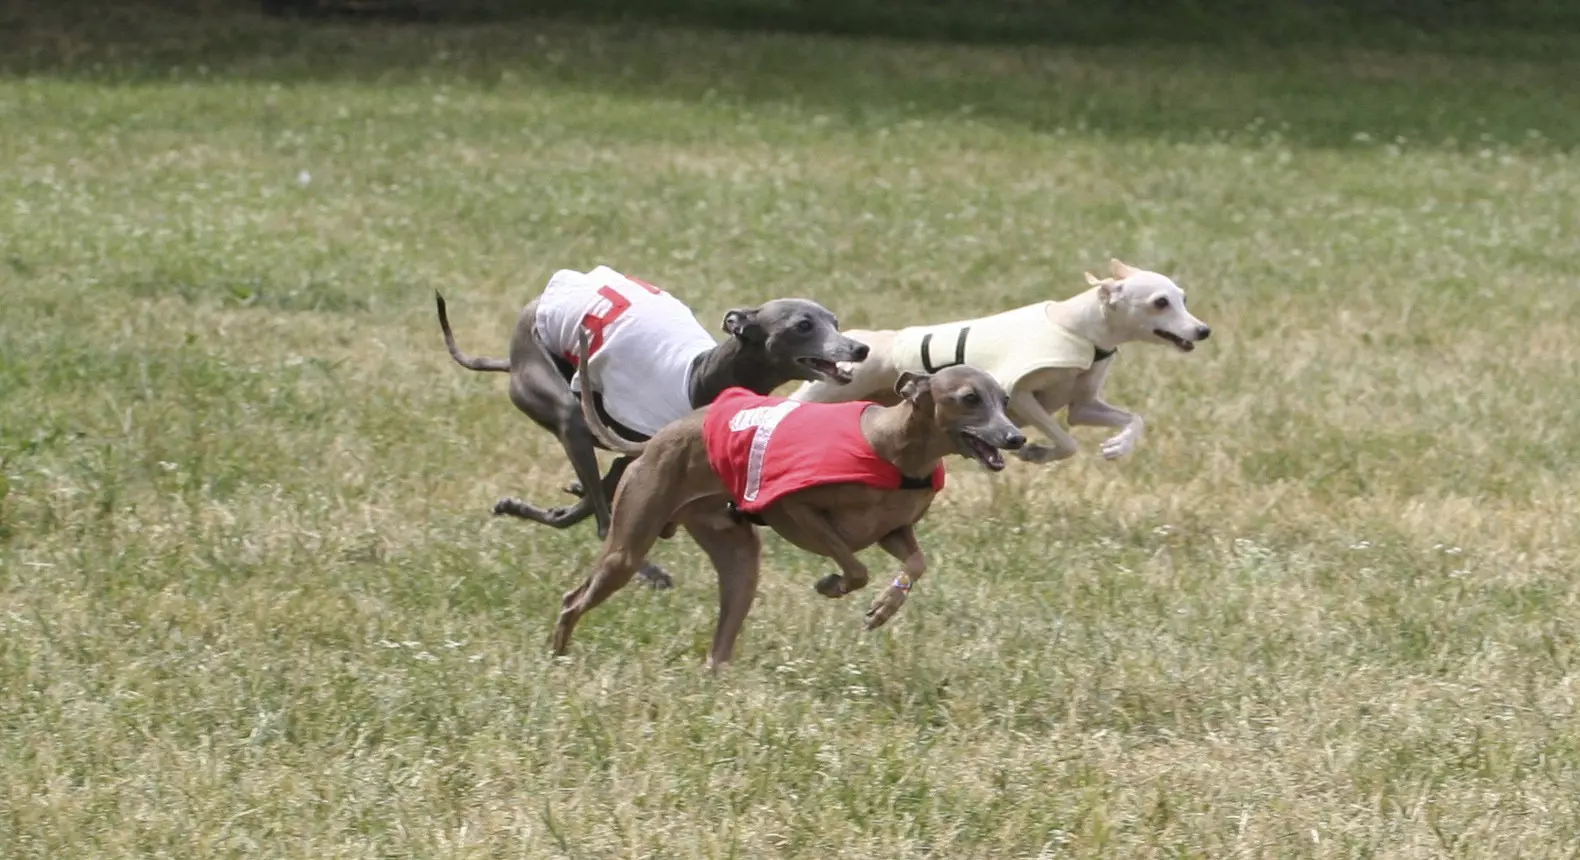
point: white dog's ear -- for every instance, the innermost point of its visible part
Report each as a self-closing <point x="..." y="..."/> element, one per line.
<point x="915" y="387"/>
<point x="1121" y="271"/>
<point x="1108" y="289"/>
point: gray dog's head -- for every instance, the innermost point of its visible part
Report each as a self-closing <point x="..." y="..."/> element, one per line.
<point x="968" y="405"/>
<point x="799" y="338"/>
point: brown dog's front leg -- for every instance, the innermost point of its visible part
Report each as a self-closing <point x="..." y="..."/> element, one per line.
<point x="811" y="530"/>
<point x="900" y="543"/>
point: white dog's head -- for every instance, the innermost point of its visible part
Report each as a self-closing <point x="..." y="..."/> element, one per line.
<point x="1143" y="305"/>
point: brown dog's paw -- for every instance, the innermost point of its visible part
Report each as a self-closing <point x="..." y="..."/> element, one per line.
<point x="888" y="602"/>
<point x="832" y="585"/>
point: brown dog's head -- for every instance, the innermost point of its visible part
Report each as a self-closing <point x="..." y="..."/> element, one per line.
<point x="968" y="405"/>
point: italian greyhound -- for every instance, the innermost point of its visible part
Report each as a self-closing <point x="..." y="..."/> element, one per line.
<point x="661" y="363"/>
<point x="831" y="479"/>
<point x="1050" y="356"/>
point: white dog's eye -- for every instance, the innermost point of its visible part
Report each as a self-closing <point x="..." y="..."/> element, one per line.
<point x="1161" y="303"/>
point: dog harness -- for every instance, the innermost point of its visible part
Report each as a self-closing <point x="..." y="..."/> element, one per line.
<point x="766" y="447"/>
<point x="644" y="343"/>
<point x="1007" y="346"/>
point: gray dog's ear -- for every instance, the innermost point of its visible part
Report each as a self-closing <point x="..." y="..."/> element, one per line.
<point x="916" y="388"/>
<point x="742" y="323"/>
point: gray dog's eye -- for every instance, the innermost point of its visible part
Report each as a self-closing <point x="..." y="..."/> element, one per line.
<point x="803" y="326"/>
<point x="1161" y="303"/>
<point x="972" y="399"/>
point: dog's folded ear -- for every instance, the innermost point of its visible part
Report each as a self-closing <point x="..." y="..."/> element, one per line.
<point x="916" y="388"/>
<point x="1108" y="289"/>
<point x="1121" y="270"/>
<point x="742" y="323"/>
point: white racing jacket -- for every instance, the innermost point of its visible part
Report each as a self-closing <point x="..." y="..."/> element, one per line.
<point x="644" y="341"/>
<point x="1007" y="346"/>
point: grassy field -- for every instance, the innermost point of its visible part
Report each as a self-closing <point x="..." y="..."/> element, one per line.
<point x="252" y="601"/>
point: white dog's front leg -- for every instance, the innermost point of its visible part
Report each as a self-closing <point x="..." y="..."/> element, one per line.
<point x="1096" y="413"/>
<point x="1025" y="409"/>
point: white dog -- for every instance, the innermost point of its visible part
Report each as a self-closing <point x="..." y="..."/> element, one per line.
<point x="1049" y="356"/>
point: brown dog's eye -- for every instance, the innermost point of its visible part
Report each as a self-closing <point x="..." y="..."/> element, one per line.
<point x="1161" y="303"/>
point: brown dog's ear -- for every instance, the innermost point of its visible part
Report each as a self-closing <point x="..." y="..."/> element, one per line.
<point x="916" y="388"/>
<point x="742" y="323"/>
<point x="1121" y="271"/>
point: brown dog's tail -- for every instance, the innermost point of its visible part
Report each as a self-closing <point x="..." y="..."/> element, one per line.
<point x="614" y="441"/>
<point x="461" y="358"/>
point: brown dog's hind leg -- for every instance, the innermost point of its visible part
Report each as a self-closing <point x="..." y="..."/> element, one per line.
<point x="643" y="508"/>
<point x="736" y="552"/>
<point x="900" y="543"/>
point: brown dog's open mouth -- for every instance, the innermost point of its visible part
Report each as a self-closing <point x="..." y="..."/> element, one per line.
<point x="1180" y="342"/>
<point x="829" y="370"/>
<point x="981" y="452"/>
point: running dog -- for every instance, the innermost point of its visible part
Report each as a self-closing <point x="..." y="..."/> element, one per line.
<point x="831" y="479"/>
<point x="1050" y="356"/>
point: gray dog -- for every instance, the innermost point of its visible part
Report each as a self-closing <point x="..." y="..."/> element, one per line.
<point x="652" y="364"/>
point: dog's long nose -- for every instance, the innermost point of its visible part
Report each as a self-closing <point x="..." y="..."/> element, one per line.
<point x="1203" y="332"/>
<point x="861" y="351"/>
<point x="1014" y="442"/>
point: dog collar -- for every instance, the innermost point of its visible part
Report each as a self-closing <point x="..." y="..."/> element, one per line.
<point x="1100" y="354"/>
<point x="909" y="483"/>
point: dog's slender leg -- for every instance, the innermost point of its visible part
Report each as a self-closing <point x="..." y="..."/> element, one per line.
<point x="1025" y="409"/>
<point x="1088" y="409"/>
<point x="811" y="530"/>
<point x="1096" y="413"/>
<point x="538" y="389"/>
<point x="736" y="552"/>
<point x="648" y="505"/>
<point x="649" y="573"/>
<point x="900" y="543"/>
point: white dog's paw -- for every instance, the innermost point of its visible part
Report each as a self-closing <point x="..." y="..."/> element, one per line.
<point x="1118" y="446"/>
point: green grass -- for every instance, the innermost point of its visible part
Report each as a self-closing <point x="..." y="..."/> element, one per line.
<point x="252" y="602"/>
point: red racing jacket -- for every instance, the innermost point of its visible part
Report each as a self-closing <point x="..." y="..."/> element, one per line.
<point x="766" y="447"/>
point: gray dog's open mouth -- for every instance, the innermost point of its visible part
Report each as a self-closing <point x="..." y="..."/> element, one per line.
<point x="981" y="452"/>
<point x="829" y="370"/>
<point x="1183" y="344"/>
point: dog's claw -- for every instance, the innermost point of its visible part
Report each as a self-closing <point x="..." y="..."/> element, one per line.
<point x="1117" y="447"/>
<point x="575" y="489"/>
<point x="506" y="507"/>
<point x="654" y="576"/>
<point x="884" y="607"/>
<point x="1034" y="453"/>
<point x="832" y="585"/>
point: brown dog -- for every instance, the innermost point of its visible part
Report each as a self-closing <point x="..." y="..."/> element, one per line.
<point x="847" y="487"/>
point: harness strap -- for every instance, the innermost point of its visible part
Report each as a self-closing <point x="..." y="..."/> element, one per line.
<point x="960" y="351"/>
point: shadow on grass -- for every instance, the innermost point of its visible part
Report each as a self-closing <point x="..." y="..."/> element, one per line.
<point x="1454" y="88"/>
